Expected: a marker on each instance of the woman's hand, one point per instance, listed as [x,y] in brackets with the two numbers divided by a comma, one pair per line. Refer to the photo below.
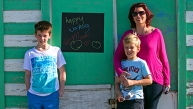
[166,89]
[123,78]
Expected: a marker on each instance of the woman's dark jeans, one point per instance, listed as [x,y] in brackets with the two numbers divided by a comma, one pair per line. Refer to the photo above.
[152,94]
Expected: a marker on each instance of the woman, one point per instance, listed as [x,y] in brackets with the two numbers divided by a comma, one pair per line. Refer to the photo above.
[152,51]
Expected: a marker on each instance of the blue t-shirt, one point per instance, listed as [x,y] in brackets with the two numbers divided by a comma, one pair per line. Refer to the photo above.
[138,69]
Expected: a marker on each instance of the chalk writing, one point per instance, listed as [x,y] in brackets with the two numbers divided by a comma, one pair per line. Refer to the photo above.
[75,20]
[80,27]
[86,42]
[75,37]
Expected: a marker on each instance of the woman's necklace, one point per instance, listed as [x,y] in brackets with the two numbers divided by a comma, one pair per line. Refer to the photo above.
[141,34]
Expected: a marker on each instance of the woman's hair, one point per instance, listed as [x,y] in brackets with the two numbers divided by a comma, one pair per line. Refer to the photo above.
[131,38]
[149,14]
[42,26]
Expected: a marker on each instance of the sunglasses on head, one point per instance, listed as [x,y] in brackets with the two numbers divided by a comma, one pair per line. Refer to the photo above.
[134,14]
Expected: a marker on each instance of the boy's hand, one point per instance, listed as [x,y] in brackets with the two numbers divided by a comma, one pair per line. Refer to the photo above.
[130,83]
[123,78]
[61,92]
[120,97]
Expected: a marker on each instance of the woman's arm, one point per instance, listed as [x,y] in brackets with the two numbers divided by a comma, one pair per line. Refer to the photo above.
[119,55]
[164,59]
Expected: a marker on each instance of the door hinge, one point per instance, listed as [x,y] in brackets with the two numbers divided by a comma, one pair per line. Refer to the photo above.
[112,102]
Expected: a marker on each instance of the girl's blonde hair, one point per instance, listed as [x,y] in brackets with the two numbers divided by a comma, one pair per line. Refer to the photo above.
[131,38]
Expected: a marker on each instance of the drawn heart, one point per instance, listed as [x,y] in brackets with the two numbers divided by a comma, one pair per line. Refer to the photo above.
[75,45]
[86,42]
[96,44]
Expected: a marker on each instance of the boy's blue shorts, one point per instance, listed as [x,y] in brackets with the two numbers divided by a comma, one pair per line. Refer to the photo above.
[43,102]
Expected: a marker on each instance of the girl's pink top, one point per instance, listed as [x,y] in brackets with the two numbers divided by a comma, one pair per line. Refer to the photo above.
[152,51]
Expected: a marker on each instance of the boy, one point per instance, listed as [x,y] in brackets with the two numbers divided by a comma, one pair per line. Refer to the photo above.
[131,96]
[40,65]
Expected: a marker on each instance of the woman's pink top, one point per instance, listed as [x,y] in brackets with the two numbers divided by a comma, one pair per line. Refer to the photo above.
[152,51]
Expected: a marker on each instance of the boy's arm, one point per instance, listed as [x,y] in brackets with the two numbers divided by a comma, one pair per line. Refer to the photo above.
[62,80]
[117,85]
[27,79]
[146,81]
[119,95]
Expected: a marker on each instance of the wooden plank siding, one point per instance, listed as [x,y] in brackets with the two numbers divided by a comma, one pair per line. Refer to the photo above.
[189,40]
[189,54]
[19,28]
[19,41]
[80,96]
[22,16]
[21,5]
[76,97]
[181,33]
[15,52]
[19,17]
[2,96]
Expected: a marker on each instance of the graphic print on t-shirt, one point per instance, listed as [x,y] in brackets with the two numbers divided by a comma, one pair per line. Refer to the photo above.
[137,69]
[44,74]
[128,92]
[134,76]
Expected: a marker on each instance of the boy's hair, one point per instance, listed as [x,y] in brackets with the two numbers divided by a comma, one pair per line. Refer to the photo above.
[43,25]
[131,38]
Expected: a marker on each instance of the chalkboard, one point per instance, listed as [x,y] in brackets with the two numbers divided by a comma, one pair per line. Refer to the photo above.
[82,32]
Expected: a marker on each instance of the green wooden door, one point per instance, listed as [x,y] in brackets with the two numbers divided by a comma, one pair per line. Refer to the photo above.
[84,67]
